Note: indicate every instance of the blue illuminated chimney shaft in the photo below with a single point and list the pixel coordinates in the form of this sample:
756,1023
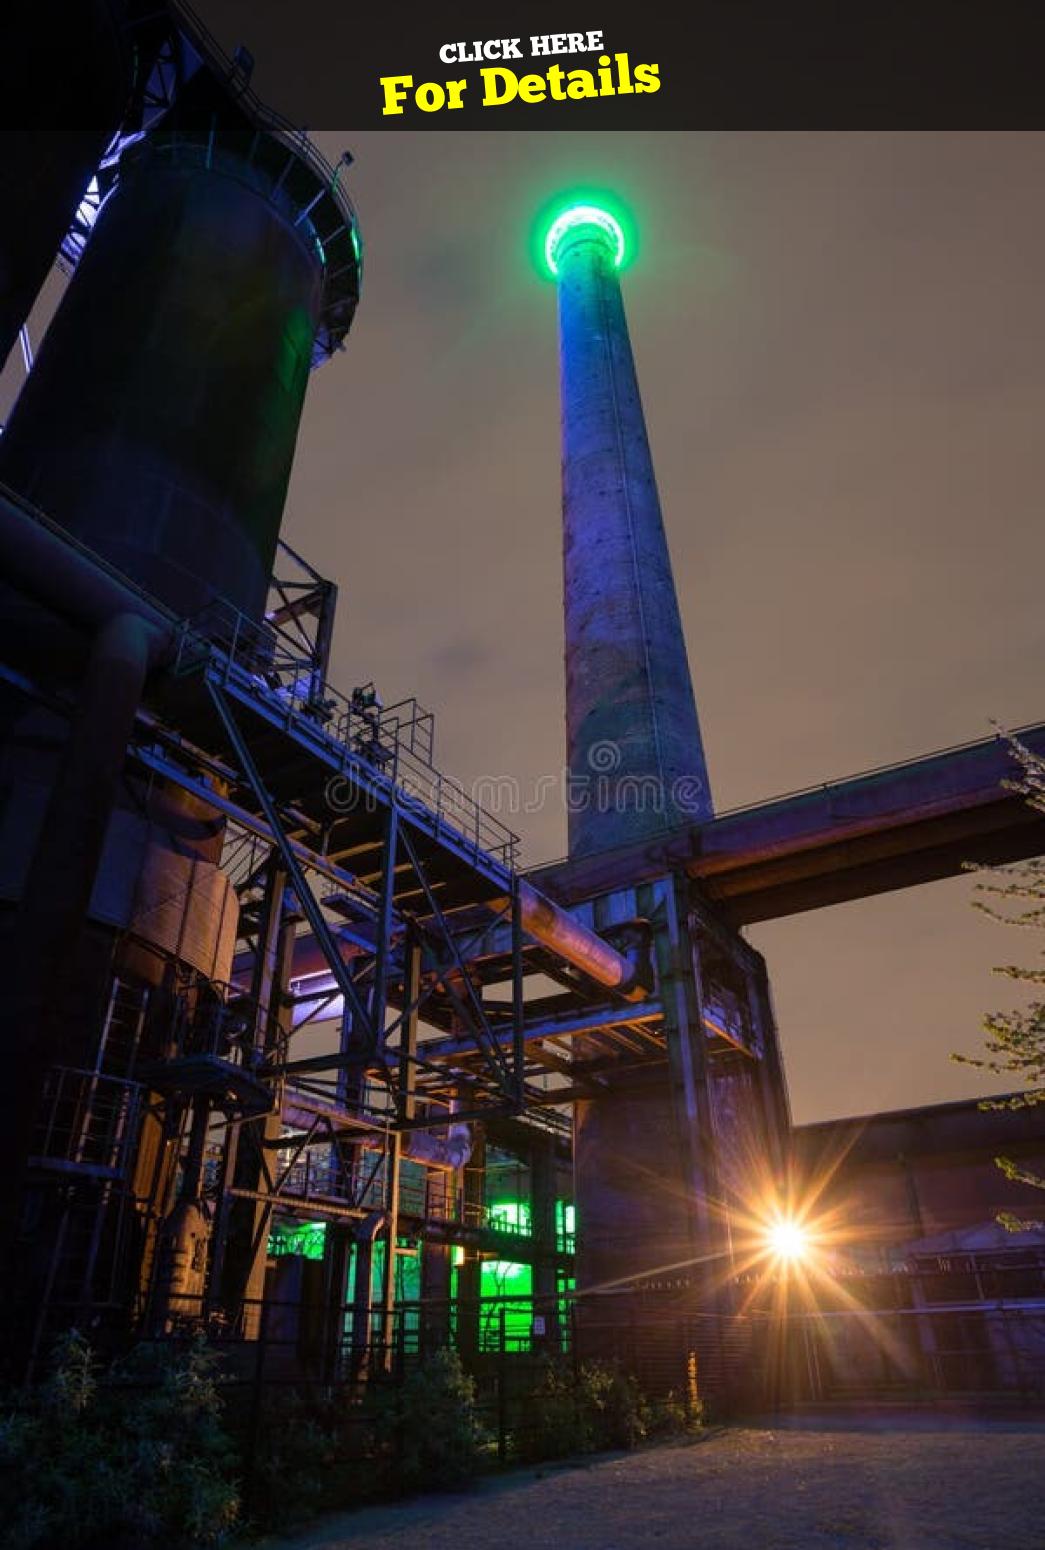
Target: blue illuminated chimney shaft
634,748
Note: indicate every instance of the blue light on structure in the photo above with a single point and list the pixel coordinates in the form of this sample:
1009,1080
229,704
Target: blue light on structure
628,688
581,215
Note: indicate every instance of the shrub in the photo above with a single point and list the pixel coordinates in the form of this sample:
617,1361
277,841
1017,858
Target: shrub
312,1453
87,1463
668,1417
557,1422
619,1413
430,1427
293,1455
598,1406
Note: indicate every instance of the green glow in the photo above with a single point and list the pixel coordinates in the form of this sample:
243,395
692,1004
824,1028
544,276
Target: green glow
566,1286
503,1278
511,1216
582,207
408,1272
515,1216
498,1279
583,215
305,1238
565,1226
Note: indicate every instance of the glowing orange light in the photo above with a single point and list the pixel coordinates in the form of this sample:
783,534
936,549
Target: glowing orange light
788,1239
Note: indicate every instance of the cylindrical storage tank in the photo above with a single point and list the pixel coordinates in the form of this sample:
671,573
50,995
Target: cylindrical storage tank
158,424
76,70
159,894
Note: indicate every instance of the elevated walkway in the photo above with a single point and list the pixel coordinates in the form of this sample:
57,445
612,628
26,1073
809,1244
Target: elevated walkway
893,827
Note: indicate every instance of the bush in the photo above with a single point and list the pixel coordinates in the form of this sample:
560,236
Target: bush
619,1413
313,1452
293,1459
668,1417
430,1427
558,1423
598,1406
86,1463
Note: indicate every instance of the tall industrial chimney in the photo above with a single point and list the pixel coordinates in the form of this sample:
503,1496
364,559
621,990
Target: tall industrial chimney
636,760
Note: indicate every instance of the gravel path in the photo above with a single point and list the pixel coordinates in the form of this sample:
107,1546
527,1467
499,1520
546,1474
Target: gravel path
901,1485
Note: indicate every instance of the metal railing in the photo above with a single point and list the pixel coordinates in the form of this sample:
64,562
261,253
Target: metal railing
193,31
389,747
89,1122
327,1173
214,55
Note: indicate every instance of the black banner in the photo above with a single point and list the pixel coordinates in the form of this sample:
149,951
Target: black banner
713,64
757,64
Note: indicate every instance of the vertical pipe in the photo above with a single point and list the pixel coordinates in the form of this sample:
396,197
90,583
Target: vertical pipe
379,990
405,1098
542,1220
518,1003
393,1158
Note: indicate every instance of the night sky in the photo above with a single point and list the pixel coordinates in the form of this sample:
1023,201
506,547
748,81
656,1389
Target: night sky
841,344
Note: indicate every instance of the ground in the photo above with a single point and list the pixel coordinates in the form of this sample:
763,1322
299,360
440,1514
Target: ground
886,1483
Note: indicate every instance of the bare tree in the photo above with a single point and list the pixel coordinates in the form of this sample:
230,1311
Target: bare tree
1015,1040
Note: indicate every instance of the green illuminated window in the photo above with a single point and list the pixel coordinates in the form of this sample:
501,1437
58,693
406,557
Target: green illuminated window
306,1238
565,1226
565,1285
500,1279
407,1289
511,1216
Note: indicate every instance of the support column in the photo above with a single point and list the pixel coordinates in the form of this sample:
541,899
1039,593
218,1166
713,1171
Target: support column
253,1159
336,1258
545,1252
469,1275
436,1268
772,1083
406,1103
644,1152
362,1296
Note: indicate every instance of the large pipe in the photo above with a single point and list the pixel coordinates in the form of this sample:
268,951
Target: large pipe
627,973
584,949
41,561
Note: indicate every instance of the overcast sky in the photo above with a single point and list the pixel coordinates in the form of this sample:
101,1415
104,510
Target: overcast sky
841,345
